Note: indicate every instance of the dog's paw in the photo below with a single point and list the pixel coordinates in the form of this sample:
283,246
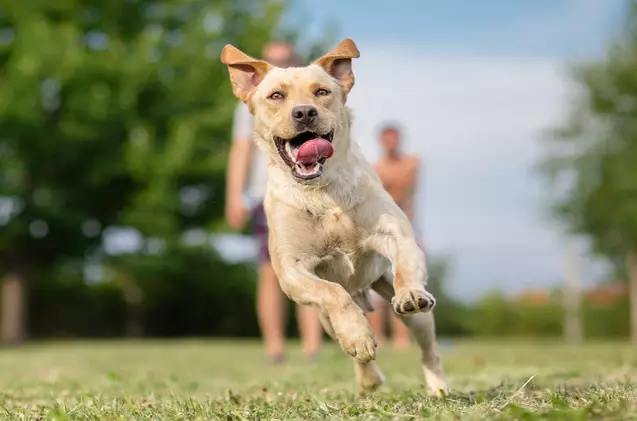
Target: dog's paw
437,391
413,301
360,345
355,336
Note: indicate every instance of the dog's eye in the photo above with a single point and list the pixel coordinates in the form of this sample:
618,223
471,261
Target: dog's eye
276,96
321,92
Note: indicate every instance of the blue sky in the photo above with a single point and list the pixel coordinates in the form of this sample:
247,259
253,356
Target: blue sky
555,28
475,84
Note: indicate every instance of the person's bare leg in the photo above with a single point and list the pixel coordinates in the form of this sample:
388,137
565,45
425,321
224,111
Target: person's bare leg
400,333
310,329
377,318
271,311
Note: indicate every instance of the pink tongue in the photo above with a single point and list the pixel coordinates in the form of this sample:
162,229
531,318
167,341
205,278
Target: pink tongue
313,150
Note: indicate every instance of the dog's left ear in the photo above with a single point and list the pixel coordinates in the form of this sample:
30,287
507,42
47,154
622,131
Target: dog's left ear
338,63
245,72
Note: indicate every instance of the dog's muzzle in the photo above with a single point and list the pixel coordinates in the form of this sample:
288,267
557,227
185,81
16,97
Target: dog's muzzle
306,153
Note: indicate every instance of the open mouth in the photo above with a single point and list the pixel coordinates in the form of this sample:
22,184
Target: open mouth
306,153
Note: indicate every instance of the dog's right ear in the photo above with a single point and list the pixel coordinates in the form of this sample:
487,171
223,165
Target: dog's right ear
245,72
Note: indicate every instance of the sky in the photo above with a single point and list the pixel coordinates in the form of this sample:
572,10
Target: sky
475,86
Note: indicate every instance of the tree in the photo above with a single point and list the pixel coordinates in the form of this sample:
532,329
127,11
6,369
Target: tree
114,114
592,159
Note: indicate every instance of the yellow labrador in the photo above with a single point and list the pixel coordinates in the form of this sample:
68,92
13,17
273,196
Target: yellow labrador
334,231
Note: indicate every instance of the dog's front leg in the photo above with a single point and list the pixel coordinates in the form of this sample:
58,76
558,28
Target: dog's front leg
349,324
396,242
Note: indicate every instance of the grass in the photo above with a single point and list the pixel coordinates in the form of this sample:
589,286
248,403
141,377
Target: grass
166,380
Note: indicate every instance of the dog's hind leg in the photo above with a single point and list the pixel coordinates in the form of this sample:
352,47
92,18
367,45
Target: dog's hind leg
368,375
423,329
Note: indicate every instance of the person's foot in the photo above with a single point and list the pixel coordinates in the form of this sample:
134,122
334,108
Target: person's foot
401,345
312,358
277,359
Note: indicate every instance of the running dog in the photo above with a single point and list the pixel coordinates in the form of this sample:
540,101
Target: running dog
334,231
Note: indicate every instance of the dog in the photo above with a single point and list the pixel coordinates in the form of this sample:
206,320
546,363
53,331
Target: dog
334,230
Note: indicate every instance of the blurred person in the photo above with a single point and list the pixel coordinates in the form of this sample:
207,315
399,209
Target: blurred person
246,182
399,175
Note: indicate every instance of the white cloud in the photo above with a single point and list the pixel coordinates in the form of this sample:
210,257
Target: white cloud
476,121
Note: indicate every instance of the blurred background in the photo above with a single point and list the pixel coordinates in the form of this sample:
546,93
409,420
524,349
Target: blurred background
115,128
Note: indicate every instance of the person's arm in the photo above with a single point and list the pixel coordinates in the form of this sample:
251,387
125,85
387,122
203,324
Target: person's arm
378,166
408,203
237,170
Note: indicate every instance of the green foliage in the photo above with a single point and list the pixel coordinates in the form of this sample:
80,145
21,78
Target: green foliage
118,114
493,316
218,300
609,321
67,307
112,114
213,299
497,316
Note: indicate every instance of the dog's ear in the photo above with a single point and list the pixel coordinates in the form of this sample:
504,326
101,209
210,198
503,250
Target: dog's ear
245,72
338,63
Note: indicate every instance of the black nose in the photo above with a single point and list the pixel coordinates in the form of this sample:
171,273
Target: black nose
304,114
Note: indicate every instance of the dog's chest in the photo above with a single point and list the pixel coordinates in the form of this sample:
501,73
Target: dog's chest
339,242
338,226
336,232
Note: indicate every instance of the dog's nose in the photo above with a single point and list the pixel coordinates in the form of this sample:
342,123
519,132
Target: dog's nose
304,114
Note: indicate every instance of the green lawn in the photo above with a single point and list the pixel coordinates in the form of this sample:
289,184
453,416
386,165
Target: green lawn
229,380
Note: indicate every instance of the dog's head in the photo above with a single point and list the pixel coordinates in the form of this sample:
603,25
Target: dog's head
300,113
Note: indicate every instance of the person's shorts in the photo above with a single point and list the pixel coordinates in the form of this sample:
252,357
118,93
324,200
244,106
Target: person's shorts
260,232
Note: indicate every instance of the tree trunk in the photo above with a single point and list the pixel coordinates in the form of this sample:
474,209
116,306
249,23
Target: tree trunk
632,288
13,317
